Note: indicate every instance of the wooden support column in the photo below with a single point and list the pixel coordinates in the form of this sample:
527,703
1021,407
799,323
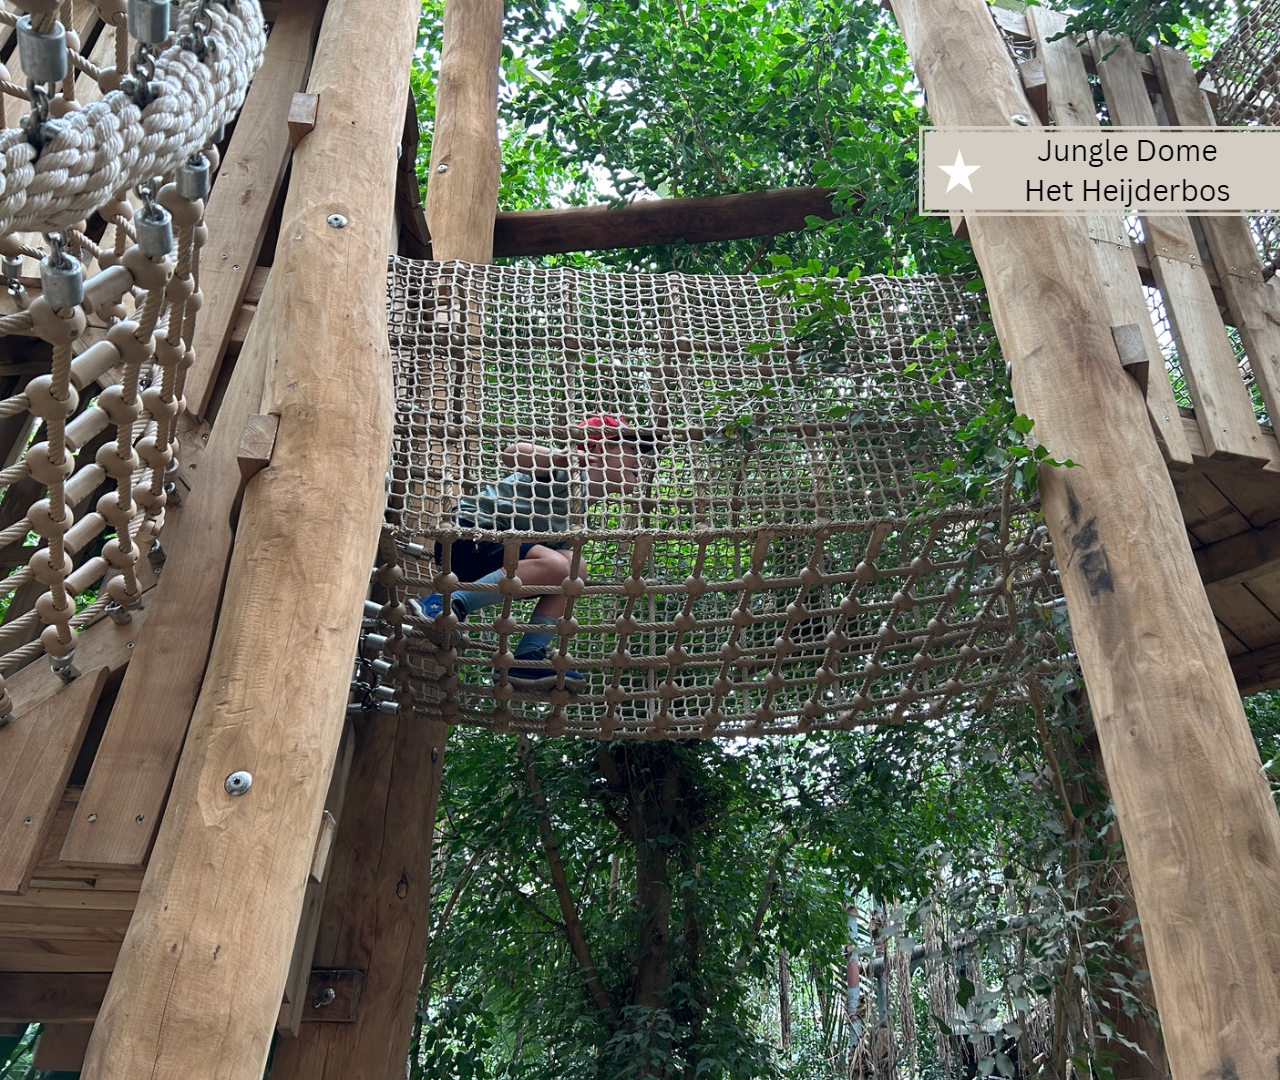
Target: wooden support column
1201,833
466,160
377,901
197,987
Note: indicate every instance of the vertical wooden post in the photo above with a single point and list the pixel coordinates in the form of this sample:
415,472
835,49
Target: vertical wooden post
466,161
1201,833
197,987
377,902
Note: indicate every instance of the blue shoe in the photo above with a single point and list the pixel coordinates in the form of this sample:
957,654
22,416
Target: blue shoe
429,608
540,678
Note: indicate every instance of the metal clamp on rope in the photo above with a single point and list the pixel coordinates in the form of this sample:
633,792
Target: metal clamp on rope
154,224
43,56
192,178
148,21
61,276
11,268
172,492
39,128
62,667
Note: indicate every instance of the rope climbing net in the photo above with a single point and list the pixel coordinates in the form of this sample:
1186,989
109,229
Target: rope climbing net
119,316
772,563
1246,69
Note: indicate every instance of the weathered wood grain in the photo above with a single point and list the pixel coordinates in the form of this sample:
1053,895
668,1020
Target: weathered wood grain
37,750
246,191
466,161
1200,830
198,984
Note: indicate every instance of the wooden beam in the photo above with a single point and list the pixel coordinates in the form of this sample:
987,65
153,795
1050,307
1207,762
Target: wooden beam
1239,558
660,221
61,1047
302,116
377,904
38,997
1200,830
37,750
1070,101
198,983
246,191
466,162
1257,670
125,794
415,240
1224,409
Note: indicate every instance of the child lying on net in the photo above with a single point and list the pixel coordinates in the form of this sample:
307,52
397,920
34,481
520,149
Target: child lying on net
542,494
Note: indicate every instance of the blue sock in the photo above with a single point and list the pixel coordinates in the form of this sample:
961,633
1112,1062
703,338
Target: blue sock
472,600
536,640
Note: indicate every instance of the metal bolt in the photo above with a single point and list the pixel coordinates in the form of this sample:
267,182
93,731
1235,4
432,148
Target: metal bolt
327,996
140,819
238,782
337,221
435,753
130,644
27,821
1021,120
93,817
442,168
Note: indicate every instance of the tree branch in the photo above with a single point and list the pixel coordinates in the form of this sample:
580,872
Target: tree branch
572,923
770,884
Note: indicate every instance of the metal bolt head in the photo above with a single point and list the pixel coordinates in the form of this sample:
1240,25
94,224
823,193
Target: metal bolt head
1021,119
337,221
442,168
238,782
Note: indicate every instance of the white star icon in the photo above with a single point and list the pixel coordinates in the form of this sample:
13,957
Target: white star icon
960,172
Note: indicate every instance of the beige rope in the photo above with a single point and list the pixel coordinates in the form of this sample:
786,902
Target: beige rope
74,174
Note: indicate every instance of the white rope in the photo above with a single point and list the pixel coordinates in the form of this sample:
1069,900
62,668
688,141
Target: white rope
111,146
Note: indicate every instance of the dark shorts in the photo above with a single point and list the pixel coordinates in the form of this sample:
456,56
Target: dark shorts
473,559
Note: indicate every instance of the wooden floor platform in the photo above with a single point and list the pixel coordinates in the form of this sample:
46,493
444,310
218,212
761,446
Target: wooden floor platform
1232,514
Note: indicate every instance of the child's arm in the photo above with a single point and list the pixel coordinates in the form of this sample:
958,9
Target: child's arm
530,457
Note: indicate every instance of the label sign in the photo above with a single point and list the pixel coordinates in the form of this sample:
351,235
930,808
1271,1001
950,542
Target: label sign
1034,170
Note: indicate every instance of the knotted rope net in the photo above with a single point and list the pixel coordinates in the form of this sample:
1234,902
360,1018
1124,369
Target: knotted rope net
775,563
97,436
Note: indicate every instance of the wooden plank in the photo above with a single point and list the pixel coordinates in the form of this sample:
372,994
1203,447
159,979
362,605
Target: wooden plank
1208,514
1223,408
57,954
659,221
1252,301
1233,644
197,987
1241,612
1238,558
40,998
1070,99
466,161
125,792
1180,760
37,751
1265,587
375,914
294,1007
246,191
61,1047
1258,670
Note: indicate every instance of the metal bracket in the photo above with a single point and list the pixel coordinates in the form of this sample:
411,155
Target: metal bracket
333,996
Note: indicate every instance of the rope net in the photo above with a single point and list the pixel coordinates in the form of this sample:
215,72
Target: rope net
764,559
94,440
1246,69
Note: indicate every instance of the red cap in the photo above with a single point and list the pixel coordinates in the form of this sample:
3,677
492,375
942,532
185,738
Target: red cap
600,427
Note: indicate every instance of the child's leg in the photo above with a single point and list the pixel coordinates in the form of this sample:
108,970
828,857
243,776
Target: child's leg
542,566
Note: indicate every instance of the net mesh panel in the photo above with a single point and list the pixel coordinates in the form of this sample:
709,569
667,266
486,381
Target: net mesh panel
1246,69
775,566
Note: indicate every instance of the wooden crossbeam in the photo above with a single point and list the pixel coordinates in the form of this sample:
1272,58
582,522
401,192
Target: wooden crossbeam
660,221
40,997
